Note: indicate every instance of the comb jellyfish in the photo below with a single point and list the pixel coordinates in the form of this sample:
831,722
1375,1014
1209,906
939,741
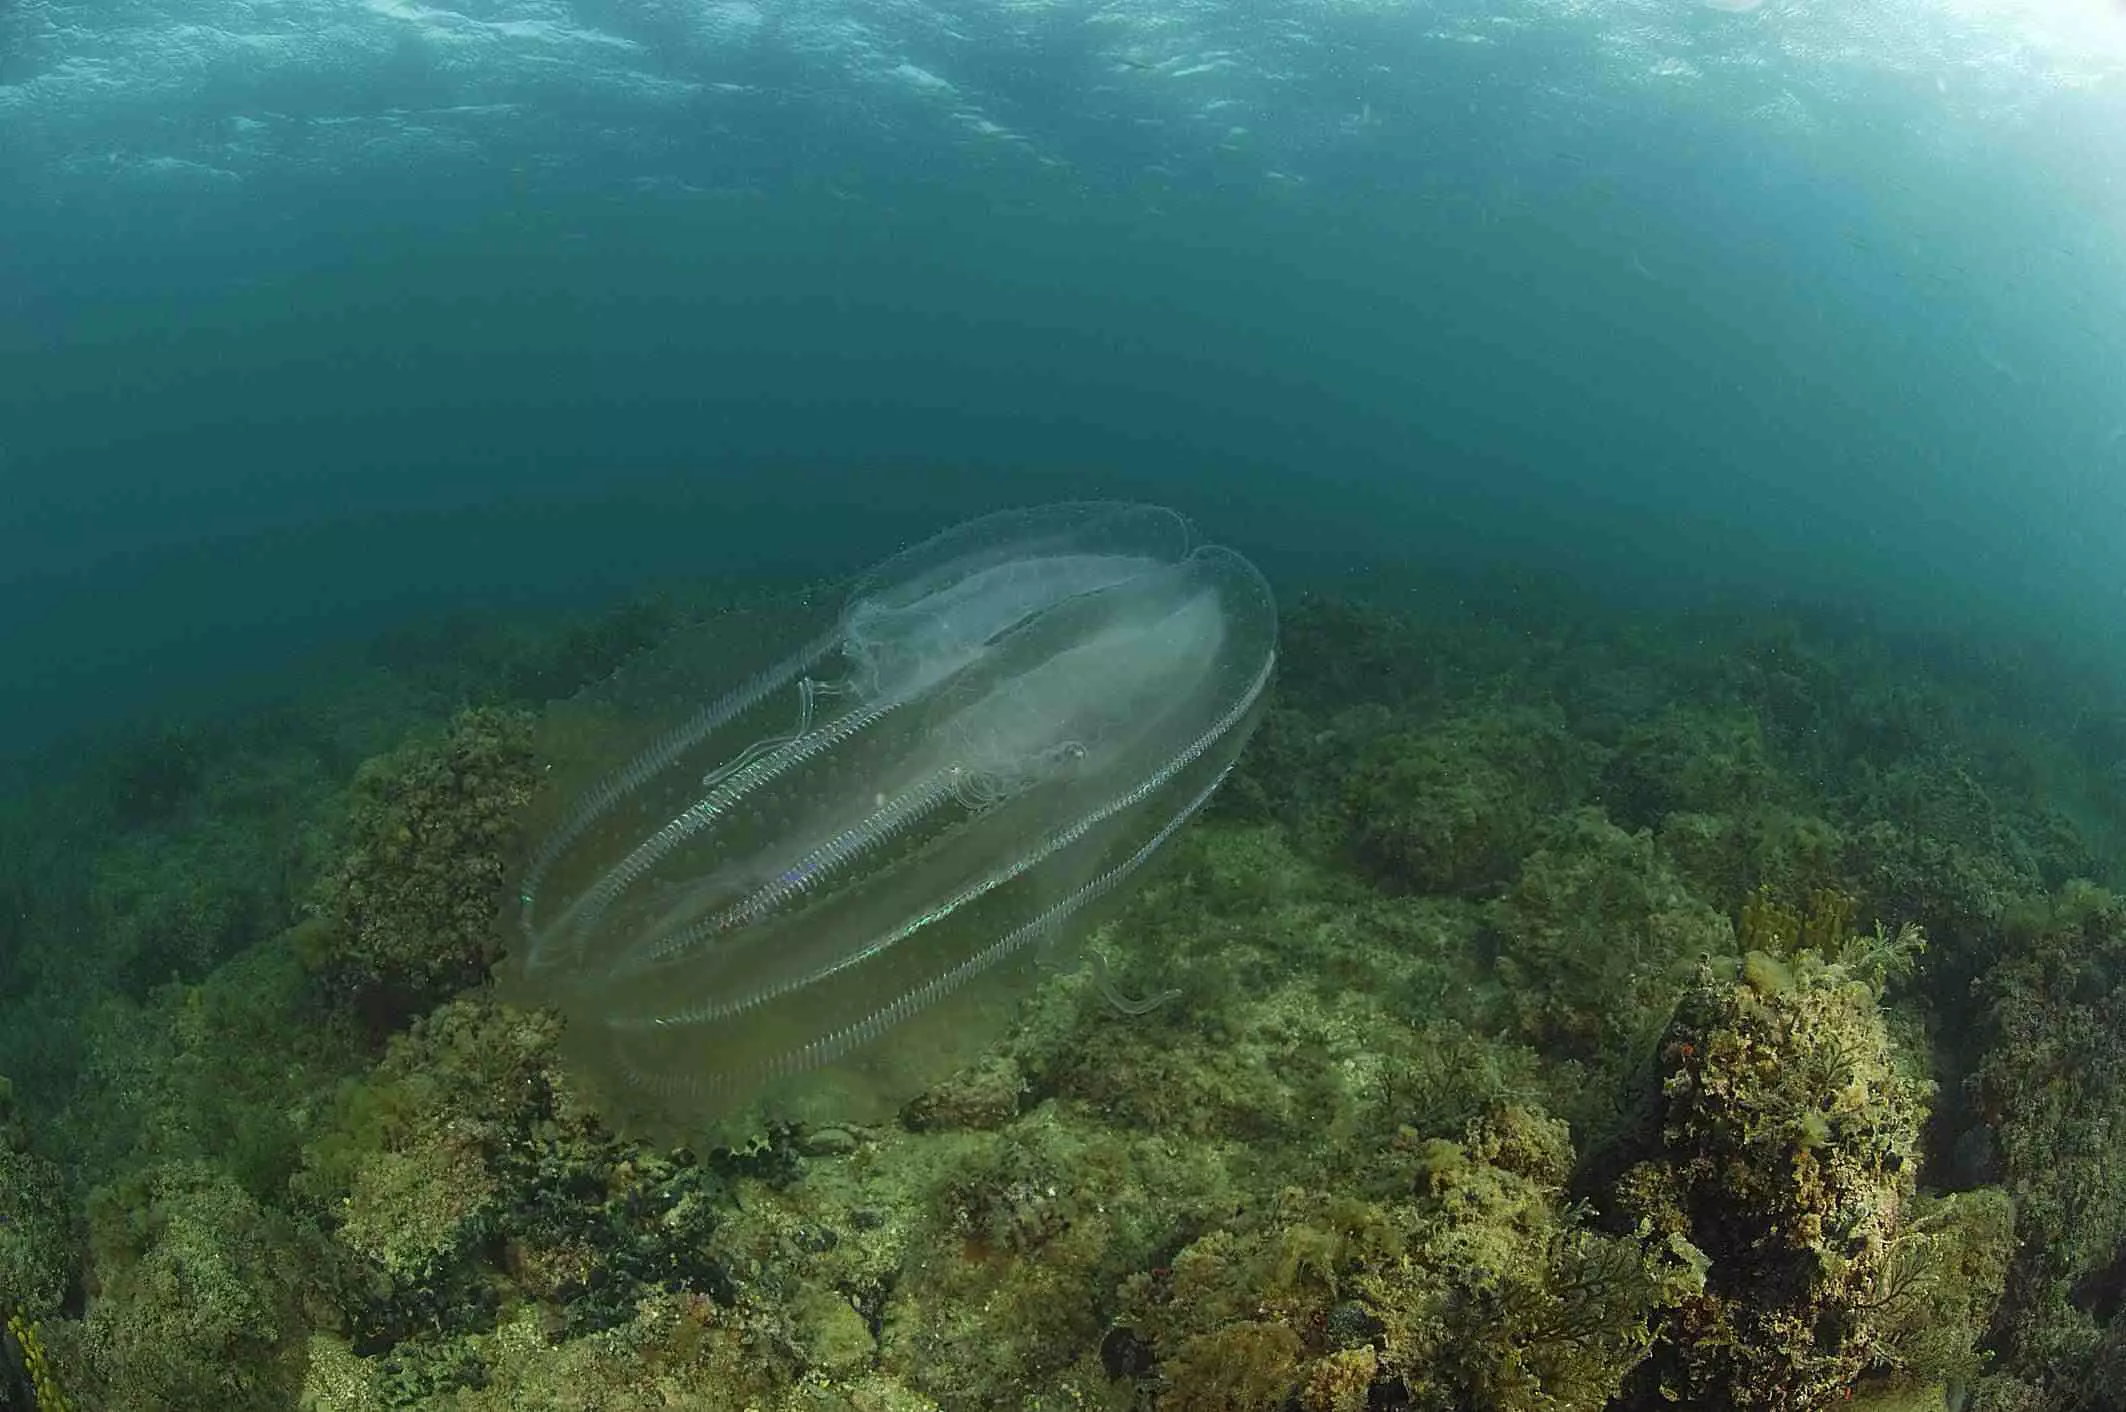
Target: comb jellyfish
808,896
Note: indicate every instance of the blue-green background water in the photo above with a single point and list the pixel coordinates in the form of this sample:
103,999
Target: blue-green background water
314,325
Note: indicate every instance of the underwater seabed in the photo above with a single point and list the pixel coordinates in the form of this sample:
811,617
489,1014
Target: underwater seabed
1568,1012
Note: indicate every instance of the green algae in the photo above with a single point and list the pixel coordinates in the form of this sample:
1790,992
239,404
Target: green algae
39,1236
1625,1082
405,916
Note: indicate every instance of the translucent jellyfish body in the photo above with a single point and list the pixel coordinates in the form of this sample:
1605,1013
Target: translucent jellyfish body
804,893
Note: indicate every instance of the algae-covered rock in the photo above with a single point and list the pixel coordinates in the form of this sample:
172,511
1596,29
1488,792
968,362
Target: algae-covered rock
1017,1249
984,1095
39,1244
170,908
1452,808
1947,1268
1688,759
833,1333
2049,1107
1480,1291
196,1298
1787,1156
1596,938
408,915
1725,858
462,1158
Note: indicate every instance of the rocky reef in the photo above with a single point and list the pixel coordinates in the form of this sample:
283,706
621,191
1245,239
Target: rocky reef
1562,1013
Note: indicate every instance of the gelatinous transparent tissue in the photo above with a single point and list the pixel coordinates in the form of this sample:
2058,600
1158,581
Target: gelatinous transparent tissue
805,891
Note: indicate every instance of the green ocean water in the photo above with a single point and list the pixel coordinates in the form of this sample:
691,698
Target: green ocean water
1795,385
